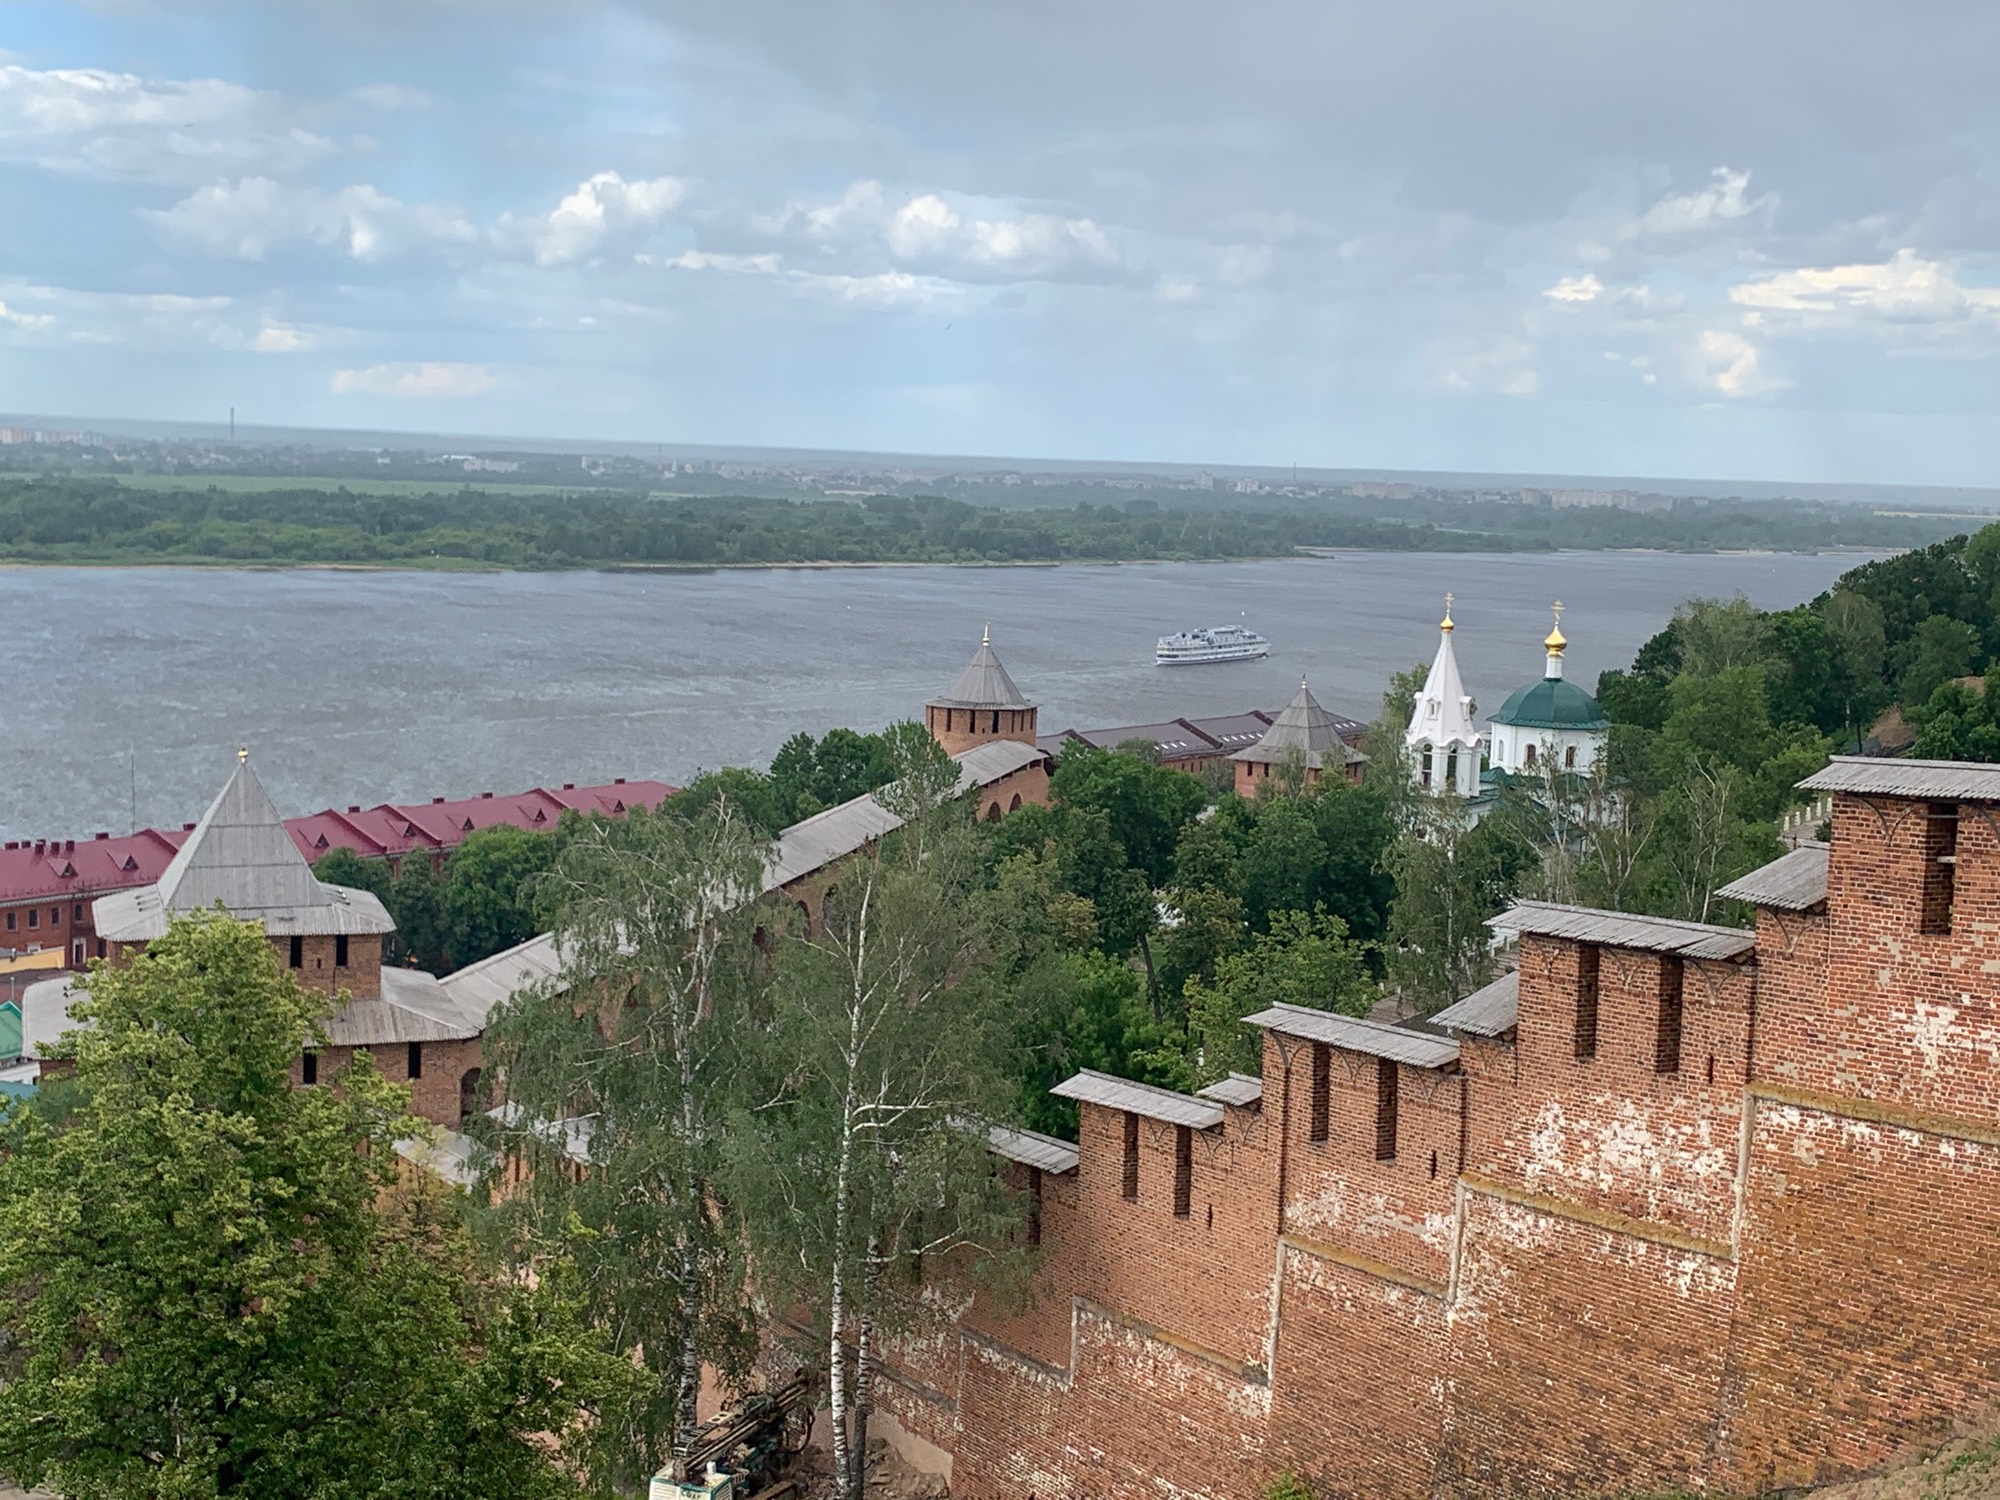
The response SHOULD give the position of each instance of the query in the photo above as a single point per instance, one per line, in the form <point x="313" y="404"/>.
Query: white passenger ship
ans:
<point x="1221" y="643"/>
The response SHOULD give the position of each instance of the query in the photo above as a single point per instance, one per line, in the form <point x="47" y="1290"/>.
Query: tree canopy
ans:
<point x="217" y="1284"/>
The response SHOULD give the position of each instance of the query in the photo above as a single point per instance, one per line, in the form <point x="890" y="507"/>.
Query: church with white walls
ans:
<point x="1548" y="725"/>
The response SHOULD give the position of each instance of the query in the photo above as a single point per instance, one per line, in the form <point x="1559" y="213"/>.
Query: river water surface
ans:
<point x="128" y="690"/>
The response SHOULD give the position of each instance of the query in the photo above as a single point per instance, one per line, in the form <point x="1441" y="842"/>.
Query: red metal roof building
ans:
<point x="437" y="827"/>
<point x="47" y="885"/>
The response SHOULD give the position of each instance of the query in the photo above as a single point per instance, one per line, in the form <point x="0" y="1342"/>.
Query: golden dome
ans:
<point x="1555" y="640"/>
<point x="1445" y="624"/>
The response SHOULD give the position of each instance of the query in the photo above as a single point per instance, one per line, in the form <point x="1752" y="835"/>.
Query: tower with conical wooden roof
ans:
<point x="1305" y="734"/>
<point x="983" y="705"/>
<point x="241" y="858"/>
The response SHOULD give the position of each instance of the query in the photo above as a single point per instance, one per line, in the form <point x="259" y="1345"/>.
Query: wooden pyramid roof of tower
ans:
<point x="983" y="684"/>
<point x="241" y="857"/>
<point x="1306" y="730"/>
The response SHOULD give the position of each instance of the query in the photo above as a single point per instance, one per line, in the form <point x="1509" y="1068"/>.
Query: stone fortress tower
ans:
<point x="983" y="705"/>
<point x="1304" y="731"/>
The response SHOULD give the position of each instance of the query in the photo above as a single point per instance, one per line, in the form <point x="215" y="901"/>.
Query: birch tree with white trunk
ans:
<point x="865" y="1159"/>
<point x="618" y="1078"/>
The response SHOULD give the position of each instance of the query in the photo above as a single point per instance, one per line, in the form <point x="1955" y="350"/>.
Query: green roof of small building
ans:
<point x="1552" y="703"/>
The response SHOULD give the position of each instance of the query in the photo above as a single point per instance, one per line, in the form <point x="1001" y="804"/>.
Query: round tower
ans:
<point x="981" y="706"/>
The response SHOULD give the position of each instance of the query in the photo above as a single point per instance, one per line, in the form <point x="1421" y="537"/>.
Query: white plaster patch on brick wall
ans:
<point x="1031" y="1479"/>
<point x="1700" y="1276"/>
<point x="1250" y="1403"/>
<point x="996" y="1358"/>
<point x="1668" y="1165"/>
<point x="1930" y="1031"/>
<point x="1437" y="1229"/>
<point x="1383" y="1217"/>
<point x="1322" y="1213"/>
<point x="1858" y="1133"/>
<point x="1516" y="1227"/>
<point x="1171" y="1491"/>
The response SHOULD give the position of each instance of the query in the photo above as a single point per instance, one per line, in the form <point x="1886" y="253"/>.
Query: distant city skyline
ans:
<point x="1534" y="241"/>
<point x="247" y="438"/>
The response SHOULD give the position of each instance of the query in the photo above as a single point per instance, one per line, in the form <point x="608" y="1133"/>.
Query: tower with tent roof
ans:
<point x="983" y="705"/>
<point x="1305" y="733"/>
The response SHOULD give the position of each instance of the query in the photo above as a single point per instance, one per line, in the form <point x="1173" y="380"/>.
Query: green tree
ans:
<point x="1718" y="635"/>
<point x="215" y="1287"/>
<point x="1723" y="721"/>
<point x="1805" y="682"/>
<point x="640" y="1035"/>
<point x="751" y="792"/>
<point x="1282" y="861"/>
<point x="490" y="900"/>
<point x="1205" y="926"/>
<point x="1706" y="840"/>
<point x="1145" y="806"/>
<point x="1093" y="866"/>
<point x="345" y="867"/>
<point x="1304" y="960"/>
<point x="416" y="902"/>
<point x="1854" y="633"/>
<point x="1097" y="1017"/>
<point x="1449" y="880"/>
<point x="1323" y="846"/>
<point x="881" y="1061"/>
<point x="1940" y="650"/>
<point x="1958" y="722"/>
<point x="808" y="776"/>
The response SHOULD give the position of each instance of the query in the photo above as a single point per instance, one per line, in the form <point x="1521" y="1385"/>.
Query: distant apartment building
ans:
<point x="12" y="436"/>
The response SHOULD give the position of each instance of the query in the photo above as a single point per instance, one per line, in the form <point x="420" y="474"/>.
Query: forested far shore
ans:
<point x="99" y="520"/>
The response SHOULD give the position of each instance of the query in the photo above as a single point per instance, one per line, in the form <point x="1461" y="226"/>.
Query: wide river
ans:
<point x="129" y="689"/>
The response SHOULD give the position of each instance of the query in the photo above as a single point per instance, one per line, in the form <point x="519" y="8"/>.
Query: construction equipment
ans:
<point x="737" y="1454"/>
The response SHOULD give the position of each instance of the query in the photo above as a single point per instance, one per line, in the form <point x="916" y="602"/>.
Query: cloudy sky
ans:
<point x="1690" y="239"/>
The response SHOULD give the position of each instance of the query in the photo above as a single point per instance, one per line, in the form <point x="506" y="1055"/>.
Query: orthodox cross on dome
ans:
<point x="1445" y="623"/>
<point x="1555" y="641"/>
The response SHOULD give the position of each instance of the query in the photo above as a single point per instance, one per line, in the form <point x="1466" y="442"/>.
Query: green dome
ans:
<point x="1552" y="704"/>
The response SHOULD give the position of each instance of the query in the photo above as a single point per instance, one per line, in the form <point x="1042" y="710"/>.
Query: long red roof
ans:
<point x="34" y="869"/>
<point x="392" y="829"/>
<point x="61" y="869"/>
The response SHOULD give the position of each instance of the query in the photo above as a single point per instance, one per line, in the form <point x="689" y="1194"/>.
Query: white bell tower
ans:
<point x="1442" y="739"/>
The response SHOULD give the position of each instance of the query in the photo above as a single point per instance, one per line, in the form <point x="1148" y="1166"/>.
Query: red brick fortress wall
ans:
<point x="1766" y="1257"/>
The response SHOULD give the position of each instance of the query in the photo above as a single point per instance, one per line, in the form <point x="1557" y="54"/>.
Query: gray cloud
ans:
<point x="1523" y="236"/>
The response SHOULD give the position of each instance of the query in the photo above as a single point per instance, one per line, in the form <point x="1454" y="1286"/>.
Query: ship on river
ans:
<point x="1218" y="643"/>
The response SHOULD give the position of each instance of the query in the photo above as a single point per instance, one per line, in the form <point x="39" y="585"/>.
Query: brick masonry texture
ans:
<point x="1770" y="1264"/>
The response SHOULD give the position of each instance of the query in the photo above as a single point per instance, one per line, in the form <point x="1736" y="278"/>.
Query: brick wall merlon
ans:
<point x="1351" y="1034"/>
<point x="1611" y="929"/>
<point x="1143" y="1099"/>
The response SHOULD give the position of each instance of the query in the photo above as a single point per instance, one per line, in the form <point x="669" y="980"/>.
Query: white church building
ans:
<point x="1442" y="739"/>
<point x="1548" y="724"/>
